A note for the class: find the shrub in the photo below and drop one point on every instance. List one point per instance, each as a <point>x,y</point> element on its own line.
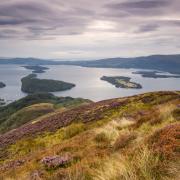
<point>123,140</point>
<point>102,138</point>
<point>146,118</point>
<point>176,114</point>
<point>155,121</point>
<point>165,141</point>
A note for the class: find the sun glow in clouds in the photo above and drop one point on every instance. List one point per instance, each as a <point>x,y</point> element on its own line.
<point>102,25</point>
<point>86,29</point>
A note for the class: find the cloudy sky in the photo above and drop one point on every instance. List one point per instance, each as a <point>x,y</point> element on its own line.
<point>88,29</point>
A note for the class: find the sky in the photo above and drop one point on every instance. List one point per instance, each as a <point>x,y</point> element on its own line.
<point>88,29</point>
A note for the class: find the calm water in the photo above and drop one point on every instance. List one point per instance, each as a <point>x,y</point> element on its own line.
<point>87,80</point>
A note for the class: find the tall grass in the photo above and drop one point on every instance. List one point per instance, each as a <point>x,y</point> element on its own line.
<point>143,165</point>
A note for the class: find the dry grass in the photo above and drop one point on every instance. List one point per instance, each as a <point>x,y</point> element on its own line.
<point>123,140</point>
<point>176,114</point>
<point>143,165</point>
<point>127,145</point>
<point>102,138</point>
<point>166,111</point>
<point>110,131</point>
<point>166,141</point>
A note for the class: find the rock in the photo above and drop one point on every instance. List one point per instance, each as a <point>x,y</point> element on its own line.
<point>56,161</point>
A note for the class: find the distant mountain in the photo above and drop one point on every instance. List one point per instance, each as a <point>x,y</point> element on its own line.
<point>26,61</point>
<point>168,63</point>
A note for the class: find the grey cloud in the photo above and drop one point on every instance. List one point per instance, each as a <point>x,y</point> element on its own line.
<point>48,18</point>
<point>156,25</point>
<point>139,4</point>
<point>15,21</point>
<point>43,18</point>
<point>23,8</point>
<point>140,8</point>
<point>148,28</point>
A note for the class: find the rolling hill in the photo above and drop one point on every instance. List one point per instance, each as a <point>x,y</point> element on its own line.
<point>33,106</point>
<point>125,138</point>
<point>167,63</point>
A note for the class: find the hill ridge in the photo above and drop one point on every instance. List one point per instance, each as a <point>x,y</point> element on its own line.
<point>85,114</point>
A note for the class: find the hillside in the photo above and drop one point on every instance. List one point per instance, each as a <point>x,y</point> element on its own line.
<point>129,138</point>
<point>33,106</point>
<point>167,63</point>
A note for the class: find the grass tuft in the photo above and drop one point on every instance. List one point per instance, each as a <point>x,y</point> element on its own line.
<point>123,140</point>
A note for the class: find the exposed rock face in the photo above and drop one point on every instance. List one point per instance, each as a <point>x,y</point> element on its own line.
<point>56,161</point>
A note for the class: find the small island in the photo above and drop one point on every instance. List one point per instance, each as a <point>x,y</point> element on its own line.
<point>36,69</point>
<point>121,82</point>
<point>31,84</point>
<point>154,74</point>
<point>2,85</point>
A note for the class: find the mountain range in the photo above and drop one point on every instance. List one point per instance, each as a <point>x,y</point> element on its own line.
<point>167,63</point>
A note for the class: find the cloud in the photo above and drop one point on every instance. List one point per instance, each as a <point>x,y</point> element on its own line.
<point>96,23</point>
<point>44,18</point>
<point>53,17</point>
<point>143,4</point>
<point>140,8</point>
<point>148,28</point>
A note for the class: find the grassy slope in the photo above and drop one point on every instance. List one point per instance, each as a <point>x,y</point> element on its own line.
<point>33,106</point>
<point>129,138</point>
<point>25,115</point>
